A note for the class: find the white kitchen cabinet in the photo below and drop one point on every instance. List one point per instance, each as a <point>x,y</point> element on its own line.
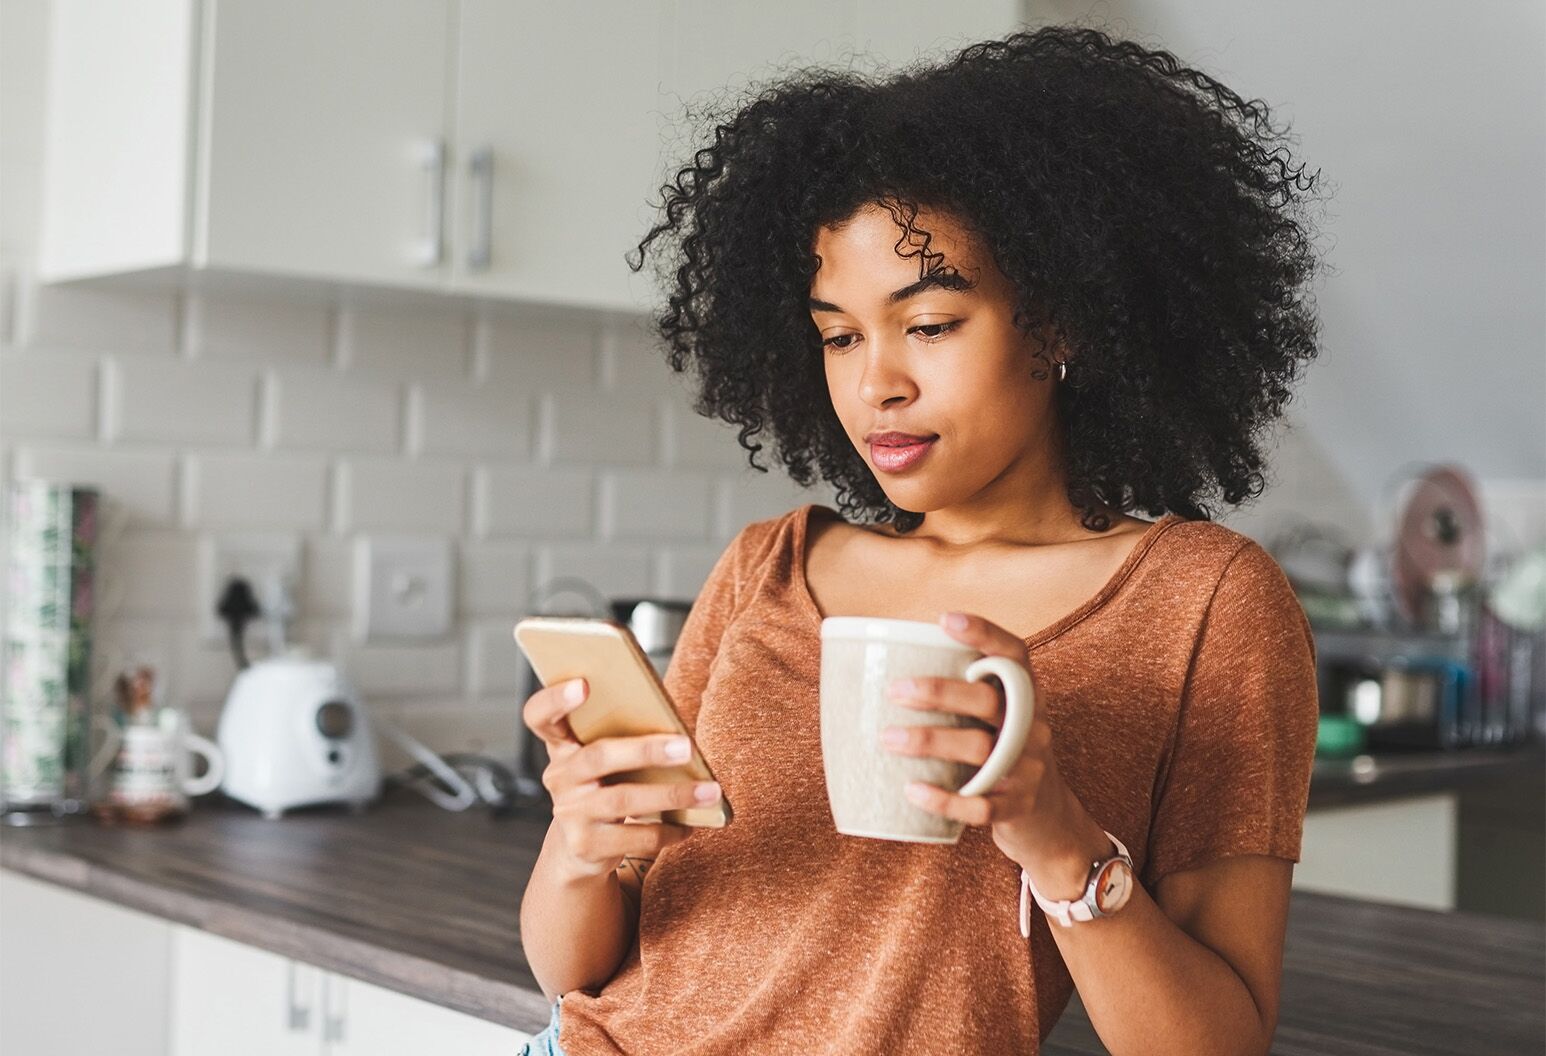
<point>1400,850</point>
<point>79,974</point>
<point>503,150</point>
<point>232,999</point>
<point>279,137</point>
<point>560,111</point>
<point>369,1020</point>
<point>237,1000</point>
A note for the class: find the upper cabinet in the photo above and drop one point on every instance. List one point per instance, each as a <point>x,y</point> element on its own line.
<point>506,150</point>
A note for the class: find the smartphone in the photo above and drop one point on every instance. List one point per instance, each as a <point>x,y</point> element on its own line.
<point>626,699</point>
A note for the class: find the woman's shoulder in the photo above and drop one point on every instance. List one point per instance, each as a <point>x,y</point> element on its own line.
<point>1203,544</point>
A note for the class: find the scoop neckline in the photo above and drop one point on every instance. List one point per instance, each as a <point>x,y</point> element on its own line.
<point>1145,542</point>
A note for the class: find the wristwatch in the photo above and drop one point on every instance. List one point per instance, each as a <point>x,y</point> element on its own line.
<point>1109,887</point>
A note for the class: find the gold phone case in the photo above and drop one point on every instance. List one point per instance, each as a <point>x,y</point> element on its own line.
<point>627,698</point>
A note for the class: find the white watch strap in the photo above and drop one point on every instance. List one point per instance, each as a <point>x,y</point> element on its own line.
<point>1065,912</point>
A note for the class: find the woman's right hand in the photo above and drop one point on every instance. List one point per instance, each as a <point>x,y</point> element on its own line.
<point>592,817</point>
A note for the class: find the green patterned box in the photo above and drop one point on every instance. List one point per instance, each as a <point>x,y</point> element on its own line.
<point>45,713</point>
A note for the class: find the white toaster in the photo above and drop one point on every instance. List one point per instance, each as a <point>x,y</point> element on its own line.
<point>295,734</point>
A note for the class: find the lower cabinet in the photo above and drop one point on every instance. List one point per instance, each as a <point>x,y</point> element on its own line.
<point>231,999</point>
<point>82,976</point>
<point>1399,850</point>
<point>79,976</point>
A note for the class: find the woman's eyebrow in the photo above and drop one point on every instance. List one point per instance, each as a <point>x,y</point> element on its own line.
<point>945,280</point>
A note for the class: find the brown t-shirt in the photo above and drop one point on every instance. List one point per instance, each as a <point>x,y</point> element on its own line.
<point>1182,701</point>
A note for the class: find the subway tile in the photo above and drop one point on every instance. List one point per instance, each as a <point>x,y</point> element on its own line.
<point>271,330</point>
<point>654,504</point>
<point>593,427</point>
<point>487,728</point>
<point>465,419</point>
<point>66,315</point>
<point>615,569</point>
<point>681,571</point>
<point>431,668</point>
<point>528,354</point>
<point>180,402</point>
<point>691,440</point>
<point>328,580</point>
<point>496,663</point>
<point>533,501</point>
<point>406,342</point>
<point>150,573</point>
<point>633,361</point>
<point>752,496</point>
<point>404,494</point>
<point>495,578</point>
<point>328,410</point>
<point>142,484</point>
<point>48,394</point>
<point>258,491</point>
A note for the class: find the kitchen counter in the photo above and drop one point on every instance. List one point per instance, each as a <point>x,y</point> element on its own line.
<point>426,902</point>
<point>1390,775</point>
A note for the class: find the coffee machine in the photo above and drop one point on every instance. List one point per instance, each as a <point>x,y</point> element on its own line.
<point>655,622</point>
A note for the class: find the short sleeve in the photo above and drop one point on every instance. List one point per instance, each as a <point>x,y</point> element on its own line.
<point>697,644</point>
<point>1237,777</point>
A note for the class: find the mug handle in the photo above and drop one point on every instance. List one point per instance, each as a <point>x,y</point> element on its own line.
<point>214,759</point>
<point>1019,709</point>
<point>110,745</point>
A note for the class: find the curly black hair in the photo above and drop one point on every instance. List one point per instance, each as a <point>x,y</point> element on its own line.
<point>1140,208</point>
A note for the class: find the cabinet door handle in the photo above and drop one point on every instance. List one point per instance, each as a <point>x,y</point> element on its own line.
<point>480,178</point>
<point>335,1005</point>
<point>299,1015</point>
<point>432,160</point>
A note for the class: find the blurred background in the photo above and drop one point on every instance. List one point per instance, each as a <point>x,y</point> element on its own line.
<point>317,340</point>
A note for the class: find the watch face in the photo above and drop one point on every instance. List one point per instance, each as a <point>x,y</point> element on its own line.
<point>1113,886</point>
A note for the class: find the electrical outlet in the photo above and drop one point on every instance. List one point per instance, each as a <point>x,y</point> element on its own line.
<point>402,587</point>
<point>252,555</point>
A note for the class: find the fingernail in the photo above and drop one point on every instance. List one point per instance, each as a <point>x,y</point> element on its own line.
<point>574,692</point>
<point>902,687</point>
<point>893,738</point>
<point>955,621</point>
<point>706,792</point>
<point>678,748</point>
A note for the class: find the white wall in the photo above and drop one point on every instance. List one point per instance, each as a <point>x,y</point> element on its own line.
<point>1429,119</point>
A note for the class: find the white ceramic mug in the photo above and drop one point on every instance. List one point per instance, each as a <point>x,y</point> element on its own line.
<point>153,761</point>
<point>860,657</point>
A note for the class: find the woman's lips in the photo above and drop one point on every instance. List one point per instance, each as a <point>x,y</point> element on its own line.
<point>893,459</point>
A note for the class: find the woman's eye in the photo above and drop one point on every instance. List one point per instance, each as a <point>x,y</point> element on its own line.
<point>940,330</point>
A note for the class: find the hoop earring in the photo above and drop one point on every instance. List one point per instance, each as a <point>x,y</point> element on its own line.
<point>1062,370</point>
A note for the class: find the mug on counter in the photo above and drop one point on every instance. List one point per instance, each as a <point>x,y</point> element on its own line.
<point>150,764</point>
<point>860,657</point>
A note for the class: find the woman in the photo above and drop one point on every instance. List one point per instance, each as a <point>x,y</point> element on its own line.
<point>1072,271</point>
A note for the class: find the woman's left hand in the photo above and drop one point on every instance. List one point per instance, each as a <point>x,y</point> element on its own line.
<point>1037,820</point>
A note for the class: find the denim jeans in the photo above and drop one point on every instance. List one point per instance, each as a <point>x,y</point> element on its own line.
<point>545,1043</point>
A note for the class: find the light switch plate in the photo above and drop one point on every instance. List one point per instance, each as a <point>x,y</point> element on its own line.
<point>402,586</point>
<point>253,556</point>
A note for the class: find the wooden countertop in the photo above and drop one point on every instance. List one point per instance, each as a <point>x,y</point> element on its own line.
<point>425,901</point>
<point>1391,775</point>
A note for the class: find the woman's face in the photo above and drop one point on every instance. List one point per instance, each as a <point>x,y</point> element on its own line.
<point>942,361</point>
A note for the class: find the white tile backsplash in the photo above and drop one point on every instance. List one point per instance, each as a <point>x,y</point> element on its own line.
<point>322,409</point>
<point>258,491</point>
<point>49,393</point>
<point>226,327</point>
<point>141,483</point>
<point>176,401</point>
